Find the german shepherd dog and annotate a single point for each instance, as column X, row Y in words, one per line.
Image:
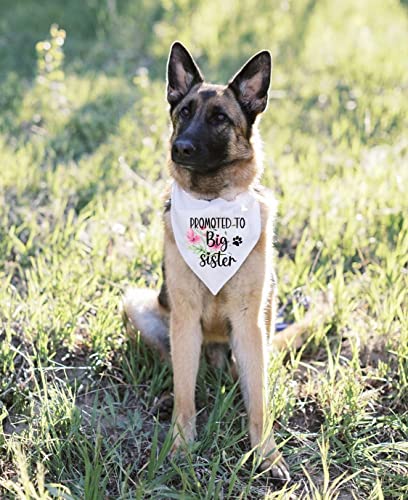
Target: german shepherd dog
column 215, row 153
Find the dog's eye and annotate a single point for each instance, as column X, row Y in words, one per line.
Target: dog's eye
column 219, row 118
column 185, row 112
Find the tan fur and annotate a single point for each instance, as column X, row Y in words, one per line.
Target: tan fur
column 241, row 315
column 142, row 312
column 243, row 302
column 197, row 317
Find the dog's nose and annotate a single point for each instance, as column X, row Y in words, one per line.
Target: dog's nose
column 183, row 149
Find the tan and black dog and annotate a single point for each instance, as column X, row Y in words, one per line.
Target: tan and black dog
column 215, row 153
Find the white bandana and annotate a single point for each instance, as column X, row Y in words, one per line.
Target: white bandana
column 214, row 237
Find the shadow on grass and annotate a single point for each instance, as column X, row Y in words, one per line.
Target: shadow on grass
column 24, row 23
column 89, row 126
column 96, row 33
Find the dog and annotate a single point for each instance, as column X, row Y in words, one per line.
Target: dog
column 215, row 154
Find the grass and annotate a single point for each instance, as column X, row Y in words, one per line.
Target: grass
column 82, row 149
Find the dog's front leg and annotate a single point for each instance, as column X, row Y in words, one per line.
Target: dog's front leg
column 185, row 339
column 249, row 349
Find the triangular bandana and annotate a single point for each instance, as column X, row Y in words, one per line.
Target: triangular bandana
column 214, row 237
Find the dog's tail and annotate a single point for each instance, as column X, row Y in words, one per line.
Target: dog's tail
column 319, row 312
column 143, row 312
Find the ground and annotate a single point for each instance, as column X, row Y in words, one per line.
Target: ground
column 83, row 134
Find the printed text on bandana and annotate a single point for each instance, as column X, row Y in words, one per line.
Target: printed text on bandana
column 206, row 239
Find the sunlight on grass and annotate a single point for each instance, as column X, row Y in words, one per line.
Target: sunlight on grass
column 83, row 138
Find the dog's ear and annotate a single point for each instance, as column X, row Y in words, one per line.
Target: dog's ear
column 250, row 85
column 182, row 73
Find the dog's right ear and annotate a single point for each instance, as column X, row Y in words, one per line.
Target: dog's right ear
column 182, row 74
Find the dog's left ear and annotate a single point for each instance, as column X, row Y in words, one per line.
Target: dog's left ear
column 182, row 73
column 250, row 85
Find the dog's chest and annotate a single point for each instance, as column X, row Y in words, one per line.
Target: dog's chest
column 185, row 288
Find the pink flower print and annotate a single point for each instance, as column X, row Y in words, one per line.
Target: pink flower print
column 216, row 246
column 192, row 237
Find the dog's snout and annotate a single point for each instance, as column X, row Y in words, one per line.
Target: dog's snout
column 183, row 149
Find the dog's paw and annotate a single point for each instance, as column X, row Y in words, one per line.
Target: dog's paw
column 277, row 467
column 183, row 437
column 178, row 447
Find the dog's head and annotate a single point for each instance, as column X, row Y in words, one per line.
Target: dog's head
column 212, row 124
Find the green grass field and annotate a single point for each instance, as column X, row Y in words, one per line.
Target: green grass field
column 83, row 133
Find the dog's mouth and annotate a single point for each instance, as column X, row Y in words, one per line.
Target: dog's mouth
column 204, row 168
column 188, row 165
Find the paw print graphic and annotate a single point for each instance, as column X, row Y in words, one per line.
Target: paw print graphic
column 237, row 240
